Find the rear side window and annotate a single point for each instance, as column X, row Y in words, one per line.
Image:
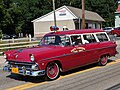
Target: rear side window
column 89, row 38
column 102, row 37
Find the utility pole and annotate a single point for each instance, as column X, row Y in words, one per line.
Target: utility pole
column 54, row 13
column 83, row 15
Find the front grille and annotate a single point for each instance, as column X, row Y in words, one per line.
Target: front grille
column 20, row 65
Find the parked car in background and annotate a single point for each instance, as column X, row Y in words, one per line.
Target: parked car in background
column 6, row 36
column 116, row 32
column 108, row 29
column 13, row 36
column 61, row 51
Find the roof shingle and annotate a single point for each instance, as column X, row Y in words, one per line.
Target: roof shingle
column 89, row 15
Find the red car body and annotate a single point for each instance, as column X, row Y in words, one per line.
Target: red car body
column 116, row 32
column 50, row 59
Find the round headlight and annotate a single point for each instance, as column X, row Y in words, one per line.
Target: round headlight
column 32, row 57
column 5, row 56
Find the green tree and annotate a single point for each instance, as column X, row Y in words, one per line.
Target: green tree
column 0, row 34
column 1, row 13
column 24, row 11
column 16, row 15
column 6, row 21
column 105, row 8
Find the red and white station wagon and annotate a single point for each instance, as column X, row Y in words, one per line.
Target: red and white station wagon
column 61, row 51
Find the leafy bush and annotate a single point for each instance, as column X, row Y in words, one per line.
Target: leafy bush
column 0, row 34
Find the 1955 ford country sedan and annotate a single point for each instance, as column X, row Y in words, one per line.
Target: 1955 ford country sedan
column 61, row 51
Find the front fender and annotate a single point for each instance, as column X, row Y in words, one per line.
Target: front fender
column 43, row 63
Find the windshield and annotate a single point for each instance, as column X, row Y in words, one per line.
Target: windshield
column 55, row 40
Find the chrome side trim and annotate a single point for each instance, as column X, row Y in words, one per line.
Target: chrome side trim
column 63, row 55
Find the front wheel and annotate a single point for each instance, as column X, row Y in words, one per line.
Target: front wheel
column 103, row 61
column 52, row 71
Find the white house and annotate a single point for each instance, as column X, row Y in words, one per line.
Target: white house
column 66, row 16
column 117, row 16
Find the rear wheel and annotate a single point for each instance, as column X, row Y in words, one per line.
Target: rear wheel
column 103, row 61
column 52, row 71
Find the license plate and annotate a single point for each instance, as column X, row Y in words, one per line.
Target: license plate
column 15, row 70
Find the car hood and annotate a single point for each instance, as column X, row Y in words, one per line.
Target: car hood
column 23, row 55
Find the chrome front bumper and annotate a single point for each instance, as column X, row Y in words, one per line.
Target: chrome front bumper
column 24, row 71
